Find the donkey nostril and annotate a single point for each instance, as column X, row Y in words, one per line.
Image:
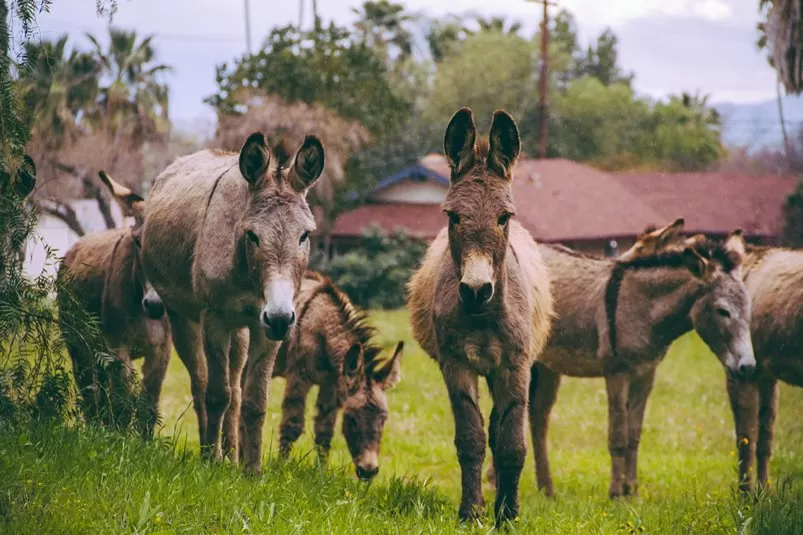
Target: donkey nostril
column 747, row 369
column 466, row 293
column 485, row 292
column 265, row 319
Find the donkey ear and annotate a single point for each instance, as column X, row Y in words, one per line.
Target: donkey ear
column 390, row 374
column 505, row 143
column 308, row 164
column 254, row 158
column 667, row 233
column 352, row 362
column 458, row 143
column 694, row 262
column 735, row 247
column 132, row 204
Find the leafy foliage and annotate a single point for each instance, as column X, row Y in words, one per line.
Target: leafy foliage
column 375, row 274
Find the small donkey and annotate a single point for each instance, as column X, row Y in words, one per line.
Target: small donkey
column 102, row 274
column 774, row 280
column 333, row 348
column 616, row 319
column 481, row 305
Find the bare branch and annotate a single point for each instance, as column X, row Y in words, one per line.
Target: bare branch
column 63, row 212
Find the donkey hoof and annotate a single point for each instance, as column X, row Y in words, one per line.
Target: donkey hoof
column 631, row 489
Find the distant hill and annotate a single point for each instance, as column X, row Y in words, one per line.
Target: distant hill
column 757, row 125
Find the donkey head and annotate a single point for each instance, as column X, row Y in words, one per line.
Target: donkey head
column 366, row 408
column 654, row 239
column 276, row 224
column 479, row 203
column 133, row 205
column 721, row 315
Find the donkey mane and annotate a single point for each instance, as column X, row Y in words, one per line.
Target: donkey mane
column 709, row 249
column 354, row 319
column 572, row 252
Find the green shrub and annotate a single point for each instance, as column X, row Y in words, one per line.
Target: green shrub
column 374, row 274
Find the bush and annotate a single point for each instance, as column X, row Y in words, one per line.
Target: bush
column 375, row 274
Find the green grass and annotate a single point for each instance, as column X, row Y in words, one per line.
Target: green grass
column 79, row 481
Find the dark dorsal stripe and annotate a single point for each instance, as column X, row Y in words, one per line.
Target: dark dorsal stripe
column 708, row 249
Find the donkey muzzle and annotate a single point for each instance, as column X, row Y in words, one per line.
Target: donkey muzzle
column 476, row 287
column 279, row 315
column 152, row 305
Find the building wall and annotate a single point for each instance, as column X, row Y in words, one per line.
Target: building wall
column 413, row 191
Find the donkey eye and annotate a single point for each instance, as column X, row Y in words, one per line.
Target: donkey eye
column 503, row 219
column 454, row 219
column 252, row 237
column 304, row 237
column 723, row 312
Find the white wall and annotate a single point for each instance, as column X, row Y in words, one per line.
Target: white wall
column 55, row 234
column 413, row 191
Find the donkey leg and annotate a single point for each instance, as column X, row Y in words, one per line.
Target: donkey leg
column 153, row 374
column 121, row 389
column 261, row 357
column 83, row 369
column 544, row 385
column 238, row 353
column 217, row 342
column 640, row 388
column 768, row 407
column 510, row 390
column 744, row 403
column 618, row 387
column 293, row 407
column 327, row 405
column 469, row 437
column 187, row 341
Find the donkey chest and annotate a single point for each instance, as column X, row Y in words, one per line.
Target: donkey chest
column 482, row 352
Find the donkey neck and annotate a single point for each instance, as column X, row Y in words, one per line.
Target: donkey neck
column 654, row 309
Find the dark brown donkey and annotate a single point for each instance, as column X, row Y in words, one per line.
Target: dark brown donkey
column 333, row 348
column 102, row 274
column 617, row 319
column 774, row 280
column 481, row 305
column 226, row 244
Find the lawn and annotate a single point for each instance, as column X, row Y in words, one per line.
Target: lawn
column 68, row 481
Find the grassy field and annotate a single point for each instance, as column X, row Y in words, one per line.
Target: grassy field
column 68, row 481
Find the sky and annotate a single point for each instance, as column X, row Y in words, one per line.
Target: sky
column 671, row 45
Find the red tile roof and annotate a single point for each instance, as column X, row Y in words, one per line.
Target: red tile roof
column 560, row 200
column 715, row 202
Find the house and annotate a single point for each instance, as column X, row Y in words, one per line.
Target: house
column 581, row 207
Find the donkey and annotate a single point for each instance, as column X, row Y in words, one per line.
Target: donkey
column 226, row 243
column 14, row 192
column 333, row 348
column 480, row 304
column 102, row 274
column 774, row 280
column 616, row 319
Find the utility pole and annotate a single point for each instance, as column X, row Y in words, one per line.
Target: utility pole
column 247, row 28
column 543, row 82
column 300, row 14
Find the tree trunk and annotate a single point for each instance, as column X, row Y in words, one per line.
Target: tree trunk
column 787, row 148
column 65, row 213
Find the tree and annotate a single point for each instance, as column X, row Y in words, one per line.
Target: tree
column 382, row 26
column 602, row 61
column 135, row 97
column 498, row 24
column 780, row 34
column 445, row 36
column 491, row 70
column 329, row 66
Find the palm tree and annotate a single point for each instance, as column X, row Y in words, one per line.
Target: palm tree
column 59, row 89
column 136, row 96
column 781, row 36
column 498, row 24
column 444, row 36
column 384, row 24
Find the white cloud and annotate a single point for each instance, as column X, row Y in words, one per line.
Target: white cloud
column 712, row 10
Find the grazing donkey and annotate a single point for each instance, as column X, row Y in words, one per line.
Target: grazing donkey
column 333, row 348
column 481, row 305
column 226, row 243
column 774, row 280
column 616, row 319
column 103, row 275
